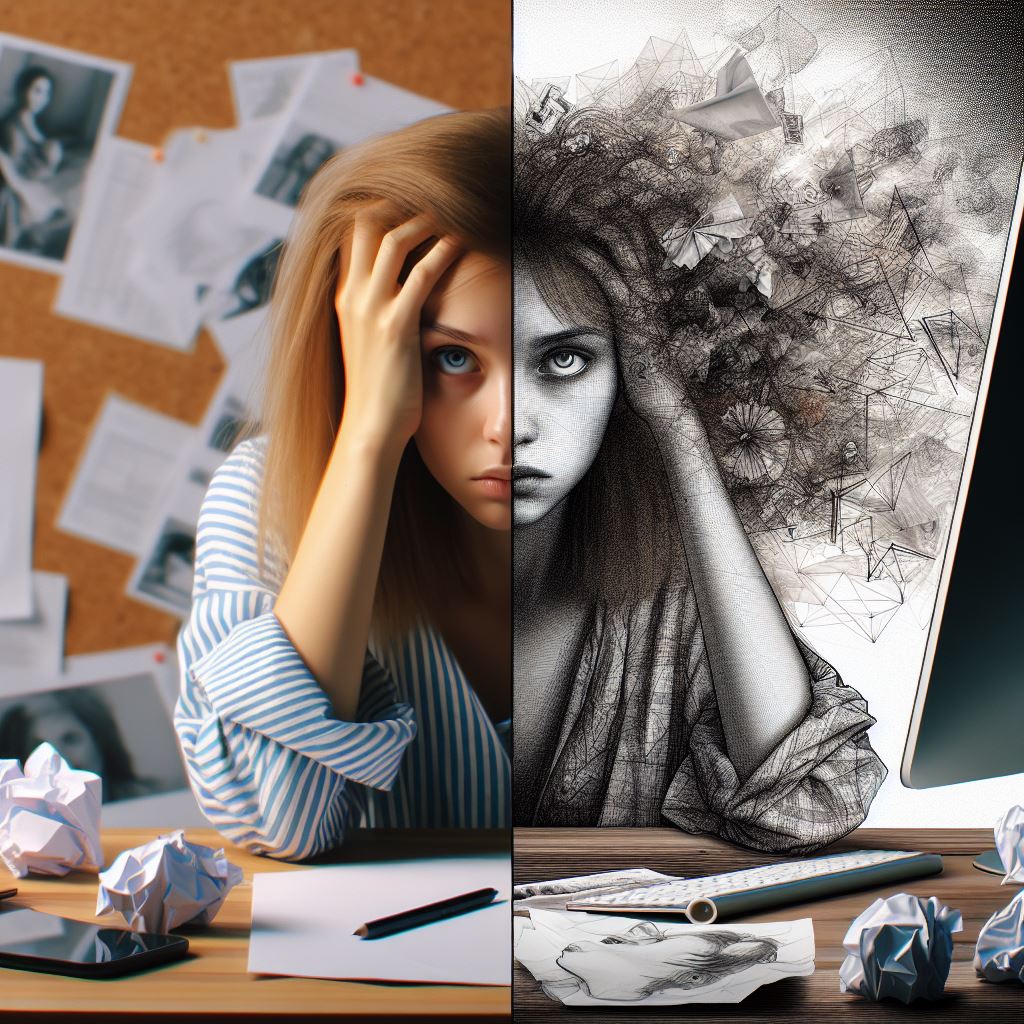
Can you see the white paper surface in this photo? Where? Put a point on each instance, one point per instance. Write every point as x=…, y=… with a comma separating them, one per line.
x=264, y=86
x=123, y=476
x=339, y=114
x=35, y=646
x=190, y=241
x=610, y=960
x=97, y=286
x=303, y=920
x=21, y=406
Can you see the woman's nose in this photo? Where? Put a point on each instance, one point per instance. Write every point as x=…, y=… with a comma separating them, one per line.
x=498, y=425
x=525, y=420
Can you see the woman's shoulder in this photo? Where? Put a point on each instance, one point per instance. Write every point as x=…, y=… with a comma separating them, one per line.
x=232, y=495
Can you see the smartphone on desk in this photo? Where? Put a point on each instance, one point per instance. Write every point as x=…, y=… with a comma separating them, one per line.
x=34, y=941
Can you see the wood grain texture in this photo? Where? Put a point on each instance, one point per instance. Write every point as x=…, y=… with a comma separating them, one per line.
x=213, y=982
x=541, y=853
x=454, y=51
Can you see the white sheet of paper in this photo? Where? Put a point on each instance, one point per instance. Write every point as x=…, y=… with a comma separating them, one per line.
x=340, y=113
x=35, y=646
x=189, y=240
x=646, y=962
x=240, y=336
x=163, y=575
x=138, y=687
x=124, y=475
x=264, y=86
x=97, y=286
x=303, y=922
x=21, y=407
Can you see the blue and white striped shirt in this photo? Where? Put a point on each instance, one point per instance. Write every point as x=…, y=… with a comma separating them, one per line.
x=272, y=767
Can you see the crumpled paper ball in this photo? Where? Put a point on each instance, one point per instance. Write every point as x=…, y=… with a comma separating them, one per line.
x=999, y=954
x=167, y=883
x=1009, y=831
x=901, y=947
x=49, y=815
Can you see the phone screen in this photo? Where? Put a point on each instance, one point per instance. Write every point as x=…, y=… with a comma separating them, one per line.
x=37, y=936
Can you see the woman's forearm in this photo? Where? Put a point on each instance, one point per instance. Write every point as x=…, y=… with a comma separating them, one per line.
x=326, y=601
x=761, y=682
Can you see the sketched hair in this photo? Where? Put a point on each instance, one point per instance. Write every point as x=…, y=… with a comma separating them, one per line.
x=455, y=169
x=597, y=192
x=731, y=953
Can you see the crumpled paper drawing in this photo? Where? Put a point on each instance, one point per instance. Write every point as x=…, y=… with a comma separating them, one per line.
x=606, y=959
x=49, y=815
x=1009, y=831
x=736, y=111
x=901, y=947
x=687, y=243
x=999, y=954
x=167, y=883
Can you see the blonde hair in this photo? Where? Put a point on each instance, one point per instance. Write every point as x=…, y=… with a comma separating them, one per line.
x=456, y=168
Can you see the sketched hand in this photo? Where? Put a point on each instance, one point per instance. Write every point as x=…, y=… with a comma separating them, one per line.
x=651, y=385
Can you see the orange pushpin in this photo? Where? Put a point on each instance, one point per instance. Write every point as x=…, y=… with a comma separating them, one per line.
x=199, y=135
x=357, y=78
x=158, y=155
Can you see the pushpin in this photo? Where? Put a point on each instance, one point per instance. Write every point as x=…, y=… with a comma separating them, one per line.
x=158, y=155
x=158, y=656
x=199, y=135
x=357, y=78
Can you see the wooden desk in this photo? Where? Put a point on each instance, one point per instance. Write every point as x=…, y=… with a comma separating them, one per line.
x=541, y=853
x=213, y=983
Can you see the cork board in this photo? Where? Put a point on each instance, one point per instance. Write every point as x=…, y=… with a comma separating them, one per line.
x=455, y=51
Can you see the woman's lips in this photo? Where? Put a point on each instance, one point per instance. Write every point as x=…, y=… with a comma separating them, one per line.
x=527, y=479
x=494, y=486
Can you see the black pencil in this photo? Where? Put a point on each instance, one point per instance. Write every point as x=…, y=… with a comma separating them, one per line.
x=424, y=915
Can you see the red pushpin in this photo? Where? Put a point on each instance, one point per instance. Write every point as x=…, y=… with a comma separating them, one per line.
x=158, y=155
x=158, y=656
x=357, y=78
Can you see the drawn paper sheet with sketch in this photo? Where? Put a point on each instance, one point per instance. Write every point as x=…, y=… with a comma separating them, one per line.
x=757, y=262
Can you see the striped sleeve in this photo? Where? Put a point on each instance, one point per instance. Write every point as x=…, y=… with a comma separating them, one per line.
x=273, y=769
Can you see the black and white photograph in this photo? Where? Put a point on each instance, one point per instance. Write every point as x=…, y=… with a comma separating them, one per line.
x=120, y=729
x=54, y=106
x=298, y=157
x=168, y=571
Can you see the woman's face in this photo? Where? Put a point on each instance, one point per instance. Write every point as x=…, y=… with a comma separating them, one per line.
x=465, y=434
x=40, y=90
x=627, y=969
x=53, y=723
x=565, y=383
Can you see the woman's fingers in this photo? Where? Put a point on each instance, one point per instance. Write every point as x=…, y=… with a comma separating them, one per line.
x=427, y=272
x=394, y=249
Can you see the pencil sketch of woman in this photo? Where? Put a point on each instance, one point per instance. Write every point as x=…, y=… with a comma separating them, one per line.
x=656, y=674
x=30, y=207
x=644, y=961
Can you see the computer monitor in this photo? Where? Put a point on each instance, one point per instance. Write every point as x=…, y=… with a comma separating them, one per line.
x=968, y=716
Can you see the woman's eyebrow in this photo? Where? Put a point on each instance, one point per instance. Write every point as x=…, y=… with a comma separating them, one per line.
x=451, y=332
x=557, y=337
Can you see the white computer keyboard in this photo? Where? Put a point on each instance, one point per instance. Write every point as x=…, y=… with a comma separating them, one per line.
x=707, y=899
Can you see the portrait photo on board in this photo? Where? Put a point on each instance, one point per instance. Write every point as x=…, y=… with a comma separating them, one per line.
x=120, y=729
x=54, y=105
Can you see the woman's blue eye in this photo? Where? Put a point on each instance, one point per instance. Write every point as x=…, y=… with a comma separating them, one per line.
x=565, y=362
x=454, y=360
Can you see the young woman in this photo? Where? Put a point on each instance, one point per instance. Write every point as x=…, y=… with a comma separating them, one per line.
x=656, y=675
x=28, y=160
x=347, y=658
